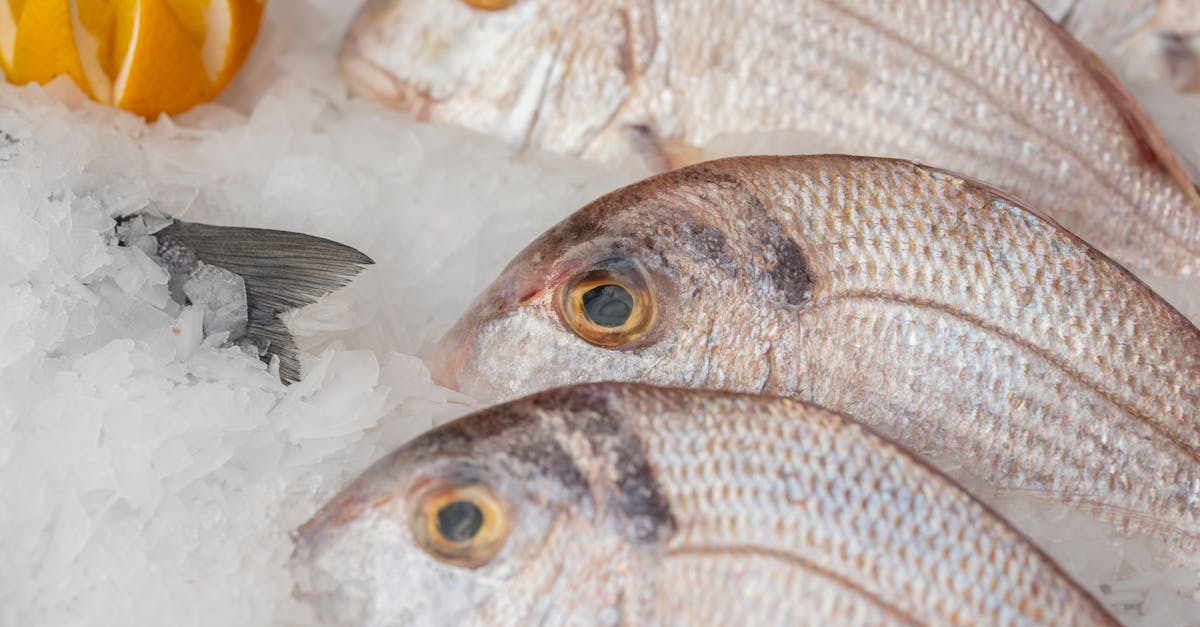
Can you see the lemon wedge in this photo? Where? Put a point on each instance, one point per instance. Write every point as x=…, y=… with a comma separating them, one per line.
x=144, y=56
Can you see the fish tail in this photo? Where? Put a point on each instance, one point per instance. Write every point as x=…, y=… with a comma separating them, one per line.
x=281, y=270
x=273, y=339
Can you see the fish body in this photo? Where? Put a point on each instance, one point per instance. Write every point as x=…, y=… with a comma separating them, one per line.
x=243, y=278
x=1150, y=39
x=990, y=88
x=934, y=308
x=623, y=504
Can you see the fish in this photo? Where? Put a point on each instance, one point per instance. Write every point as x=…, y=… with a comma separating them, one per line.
x=622, y=504
x=938, y=310
x=244, y=278
x=1154, y=39
x=993, y=89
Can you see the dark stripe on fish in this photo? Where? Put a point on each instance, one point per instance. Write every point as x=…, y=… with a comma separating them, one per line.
x=513, y=429
x=772, y=252
x=786, y=266
x=541, y=455
x=639, y=497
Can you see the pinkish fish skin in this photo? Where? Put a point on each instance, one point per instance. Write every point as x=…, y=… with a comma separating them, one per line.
x=933, y=308
x=649, y=506
x=990, y=88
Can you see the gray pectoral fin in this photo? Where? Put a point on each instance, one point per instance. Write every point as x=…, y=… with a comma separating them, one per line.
x=282, y=271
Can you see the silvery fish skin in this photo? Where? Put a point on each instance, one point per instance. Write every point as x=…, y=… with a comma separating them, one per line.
x=931, y=307
x=625, y=504
x=990, y=88
x=1152, y=39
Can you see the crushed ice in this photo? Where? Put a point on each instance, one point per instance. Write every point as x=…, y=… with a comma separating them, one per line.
x=221, y=294
x=149, y=473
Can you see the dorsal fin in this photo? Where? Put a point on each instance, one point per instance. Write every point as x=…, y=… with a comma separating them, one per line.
x=1150, y=141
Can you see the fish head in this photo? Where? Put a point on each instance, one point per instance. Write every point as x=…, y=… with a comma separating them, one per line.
x=508, y=68
x=455, y=60
x=683, y=279
x=474, y=522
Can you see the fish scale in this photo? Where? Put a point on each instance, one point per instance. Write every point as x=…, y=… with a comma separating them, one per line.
x=743, y=520
x=774, y=513
x=940, y=312
x=1052, y=406
x=1026, y=246
x=990, y=88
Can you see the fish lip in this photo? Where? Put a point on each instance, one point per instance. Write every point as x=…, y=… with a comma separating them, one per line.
x=451, y=352
x=447, y=360
x=331, y=598
x=319, y=539
x=367, y=493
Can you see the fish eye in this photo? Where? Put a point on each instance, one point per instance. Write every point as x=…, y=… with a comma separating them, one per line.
x=608, y=305
x=461, y=525
x=490, y=5
x=459, y=521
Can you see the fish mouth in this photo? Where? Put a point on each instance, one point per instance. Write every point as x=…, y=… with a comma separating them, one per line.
x=335, y=599
x=327, y=564
x=447, y=360
x=311, y=584
x=452, y=352
x=369, y=492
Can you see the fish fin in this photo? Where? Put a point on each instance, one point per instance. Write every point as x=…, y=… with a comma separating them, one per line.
x=1124, y=518
x=1150, y=141
x=1183, y=61
x=990, y=190
x=272, y=338
x=1013, y=202
x=1068, y=17
x=663, y=153
x=282, y=271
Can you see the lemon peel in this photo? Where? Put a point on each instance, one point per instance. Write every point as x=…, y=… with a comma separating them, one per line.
x=145, y=56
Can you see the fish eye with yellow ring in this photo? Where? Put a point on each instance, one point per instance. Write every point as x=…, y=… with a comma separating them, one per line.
x=608, y=305
x=461, y=525
x=490, y=5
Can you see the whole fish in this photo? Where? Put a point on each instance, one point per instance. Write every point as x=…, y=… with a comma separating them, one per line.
x=931, y=307
x=990, y=88
x=243, y=278
x=1152, y=39
x=630, y=505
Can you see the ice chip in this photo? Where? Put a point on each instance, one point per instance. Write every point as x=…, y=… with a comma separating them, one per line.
x=221, y=295
x=151, y=477
x=68, y=539
x=188, y=331
x=138, y=231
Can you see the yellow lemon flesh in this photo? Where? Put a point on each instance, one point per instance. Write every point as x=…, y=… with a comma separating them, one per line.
x=145, y=56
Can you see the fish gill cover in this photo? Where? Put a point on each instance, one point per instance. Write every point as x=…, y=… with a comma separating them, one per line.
x=150, y=475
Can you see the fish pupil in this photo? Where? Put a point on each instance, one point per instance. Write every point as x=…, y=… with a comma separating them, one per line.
x=459, y=521
x=608, y=305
